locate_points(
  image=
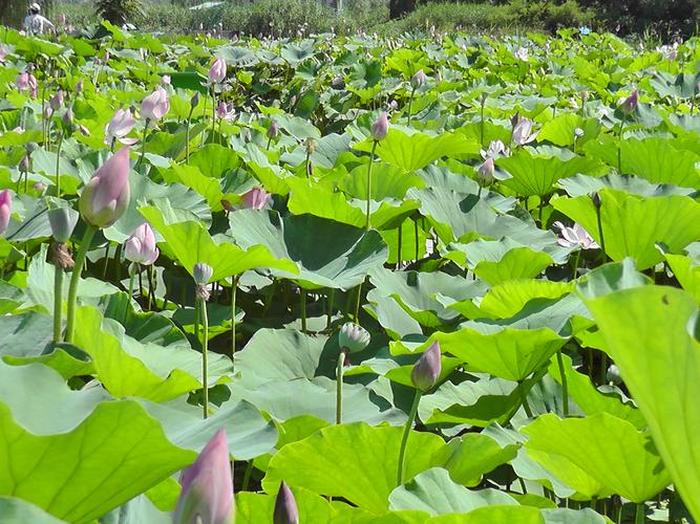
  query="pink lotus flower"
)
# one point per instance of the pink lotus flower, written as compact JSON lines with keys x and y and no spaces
{"x":3,"y":54}
{"x":256,"y":198}
{"x":106,"y":195}
{"x":225,"y":111}
{"x":380,"y":127}
{"x":522,"y":132}
{"x":286,"y":511}
{"x":165,"y":80}
{"x":140,"y":247}
{"x":156,"y":105}
{"x":56,"y":101}
{"x":630,"y":103}
{"x":207,"y":487}
{"x":496,"y":149}
{"x":575,"y":236}
{"x":22,"y":81}
{"x":5,"y":209}
{"x":121,"y":125}
{"x":217,"y":71}
{"x":427,"y":370}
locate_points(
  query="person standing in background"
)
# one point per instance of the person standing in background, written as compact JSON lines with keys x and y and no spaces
{"x":35,"y":23}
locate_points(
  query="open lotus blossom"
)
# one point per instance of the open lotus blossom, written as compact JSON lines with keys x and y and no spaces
{"x":140,"y":247}
{"x":156,"y":105}
{"x":217,"y":71}
{"x":27,"y":81}
{"x":256,"y":198}
{"x":5,"y":209}
{"x":426,"y":371}
{"x":630,"y":103}
{"x":669,"y":52}
{"x":496,"y":149}
{"x":207,"y":486}
{"x":522,"y":131}
{"x":380,"y":127}
{"x":106,"y":195}
{"x":121,"y":125}
{"x":575,"y":236}
{"x":225,"y":111}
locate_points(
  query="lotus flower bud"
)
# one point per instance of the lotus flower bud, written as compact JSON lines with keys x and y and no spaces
{"x":352,"y":337}
{"x":194,"y":101}
{"x":156,"y":105}
{"x":63,"y":221}
{"x":202,"y":273}
{"x":24,"y":164}
{"x":140,"y":247}
{"x":68,"y":118}
{"x":273,"y":130}
{"x":217,"y":71}
{"x":630,"y":103}
{"x":485,"y":173}
{"x":39,"y":186}
{"x":22,"y":81}
{"x":256,"y":198}
{"x":165,"y":80}
{"x":578,"y":132}
{"x":597,"y":202}
{"x":310,"y":145}
{"x":427,"y":370}
{"x":106,"y":195}
{"x":380,"y":127}
{"x":5,"y":210}
{"x":56,"y":101}
{"x":418,"y":80}
{"x":33,"y":85}
{"x":79,"y":87}
{"x":207,"y":487}
{"x":286,"y":511}
{"x":121,"y":125}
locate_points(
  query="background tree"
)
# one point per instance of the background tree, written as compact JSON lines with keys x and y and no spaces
{"x":398,"y":8}
{"x":12,"y":12}
{"x":119,"y":11}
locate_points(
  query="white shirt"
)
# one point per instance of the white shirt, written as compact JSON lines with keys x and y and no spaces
{"x":37,"y":24}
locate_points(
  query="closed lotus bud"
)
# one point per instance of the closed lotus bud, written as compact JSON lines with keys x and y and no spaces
{"x":165,"y":80}
{"x":79,"y":87}
{"x":286,"y":511}
{"x":418,"y":80}
{"x":202,"y":273}
{"x":630,"y":103}
{"x":140,"y":247}
{"x":380,"y":127}
{"x":596,"y":200}
{"x":40,"y":187}
{"x":207,"y":487}
{"x":56,"y":100}
{"x":24,"y":164}
{"x":22,"y":81}
{"x":273,"y":130}
{"x":310,"y":145}
{"x":156,"y":105}
{"x":217,"y":71}
{"x":62,"y":221}
{"x":194,"y":101}
{"x":68,"y":118}
{"x":106,"y":195}
{"x":256,"y":198}
{"x":5,"y":210}
{"x":485,"y":172}
{"x":578,"y":132}
{"x":352,"y":337}
{"x":427,"y":370}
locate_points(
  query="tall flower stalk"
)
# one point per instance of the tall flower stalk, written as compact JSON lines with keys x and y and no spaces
{"x":202,"y":274}
{"x":351,"y":339}
{"x":380,"y":128}
{"x":63,"y":221}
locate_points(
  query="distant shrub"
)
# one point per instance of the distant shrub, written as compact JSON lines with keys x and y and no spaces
{"x":119,"y":11}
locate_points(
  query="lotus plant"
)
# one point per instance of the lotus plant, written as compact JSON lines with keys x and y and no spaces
{"x":257,"y":198}
{"x":140,"y":249}
{"x":379,"y":130}
{"x":628,"y":107}
{"x":121,"y":125}
{"x":202,"y":274}
{"x":207,"y":487}
{"x":63,"y":220}
{"x":351,"y":339}
{"x":286,"y":511}
{"x":153,"y":108}
{"x":522,"y":131}
{"x":5,"y":210}
{"x":424,"y":375}
{"x":417,"y":81}
{"x":102,"y":202}
{"x":216,"y":76}
{"x":272,"y":132}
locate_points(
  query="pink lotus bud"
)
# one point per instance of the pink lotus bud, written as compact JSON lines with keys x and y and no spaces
{"x":22,"y":81}
{"x":286,"y":511}
{"x":48,"y":110}
{"x":207,"y":487}
{"x":225,"y":111}
{"x":427,"y":370}
{"x":121,"y":125}
{"x":202,"y":273}
{"x":106,"y":195}
{"x":33,"y":85}
{"x":56,"y":100}
{"x":79,"y":87}
{"x":165,"y":80}
{"x":630,"y":103}
{"x":5,"y":209}
{"x":273,"y":130}
{"x":256,"y":198}
{"x":418,"y":80}
{"x":486,"y":171}
{"x":380,"y":127}
{"x":217,"y":71}
{"x":140,"y":247}
{"x":156,"y":105}
{"x":39,"y":186}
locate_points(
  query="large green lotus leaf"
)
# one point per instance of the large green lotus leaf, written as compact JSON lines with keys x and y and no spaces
{"x":648,"y":333}
{"x":471,"y":456}
{"x":508,"y":298}
{"x":508,"y":353}
{"x":598,"y":455}
{"x":354,"y":461}
{"x":190,"y":176}
{"x":214,"y":160}
{"x":434,"y":492}
{"x":313,"y":199}
{"x":326,"y":153}
{"x":18,"y":511}
{"x":579,"y":185}
{"x":609,"y":278}
{"x":497,"y":261}
{"x":191,"y":244}
{"x":279,"y":354}
{"x":411,"y":151}
{"x":561,"y":130}
{"x":654,"y":158}
{"x":348,"y":253}
{"x":687,"y":270}
{"x":633,"y":225}
{"x":77,"y":454}
{"x":128,"y":368}
{"x":387,"y":181}
{"x":392,"y":317}
{"x":537,"y":175}
{"x":296,"y":397}
{"x":417,"y":293}
{"x":34,"y":223}
{"x":496,"y":514}
{"x":592,"y":400}
{"x":249,"y":434}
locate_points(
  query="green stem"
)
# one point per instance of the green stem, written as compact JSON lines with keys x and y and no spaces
{"x":398,"y":247}
{"x":576,"y":263}
{"x":331,"y":300}
{"x":410,"y":104}
{"x":213,"y":112}
{"x":339,"y":387}
{"x":196,"y":320}
{"x":246,"y":476}
{"x":58,"y":165}
{"x":415,"y":232}
{"x":187,"y":139}
{"x":57,"y":303}
{"x":523,"y":395}
{"x":369,"y":182}
{"x":357,"y":302}
{"x":302,"y":306}
{"x":564,"y":383}
{"x":619,"y":148}
{"x":639,"y":517}
{"x":151,"y":287}
{"x":205,"y":347}
{"x":75,"y":279}
{"x":269,"y":141}
{"x":598,"y":212}
{"x":234,"y":292}
{"x":143,"y":143}
{"x":481,"y":126}
{"x":406,"y":433}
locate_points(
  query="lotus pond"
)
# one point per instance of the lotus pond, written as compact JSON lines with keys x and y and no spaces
{"x":429,"y":280}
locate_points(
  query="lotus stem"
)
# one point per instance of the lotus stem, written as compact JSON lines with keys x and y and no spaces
{"x":523,"y":395}
{"x":481,"y":124}
{"x":205,"y":347}
{"x":234,"y":290}
{"x":619,"y":147}
{"x":143,"y":143}
{"x":58,"y":166}
{"x":357,"y":302}
{"x":410,"y":104}
{"x":213,"y":113}
{"x":331,"y":300}
{"x":302,"y":306}
{"x":57,"y":302}
{"x":415,"y":232}
{"x":639,"y":517}
{"x":398,"y":247}
{"x":75,"y":280}
{"x":151,"y":287}
{"x":369,"y":182}
{"x":339,"y":387}
{"x":564,"y":384}
{"x":406,"y":433}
